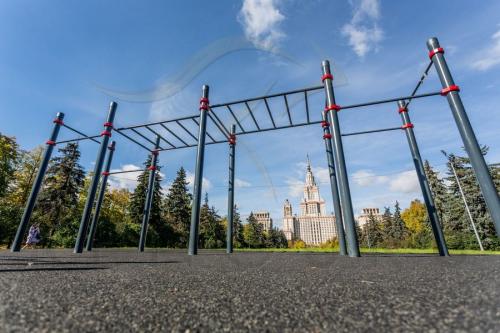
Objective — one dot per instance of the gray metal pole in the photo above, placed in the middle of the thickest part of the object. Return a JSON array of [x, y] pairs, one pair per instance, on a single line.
[[230, 191], [345, 193], [149, 195], [464, 127], [327, 136], [30, 205], [198, 176], [422, 179], [87, 210], [465, 203], [100, 196]]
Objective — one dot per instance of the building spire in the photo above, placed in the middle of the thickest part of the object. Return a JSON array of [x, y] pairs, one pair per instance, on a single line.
[[308, 163]]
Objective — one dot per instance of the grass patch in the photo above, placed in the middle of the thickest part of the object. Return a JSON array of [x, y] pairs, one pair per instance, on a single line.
[[374, 250]]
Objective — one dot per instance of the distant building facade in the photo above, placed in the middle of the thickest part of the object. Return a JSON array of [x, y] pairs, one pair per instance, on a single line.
[[313, 226], [365, 215], [265, 219]]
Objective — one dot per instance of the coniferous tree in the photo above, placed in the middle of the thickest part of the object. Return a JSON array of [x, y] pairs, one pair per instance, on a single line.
[[398, 229], [238, 237], [212, 233], [372, 232], [158, 231], [178, 207], [254, 232], [276, 238], [439, 193], [386, 226], [57, 205]]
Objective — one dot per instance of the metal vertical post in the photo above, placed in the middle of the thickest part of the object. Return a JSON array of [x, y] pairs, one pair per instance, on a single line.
[[436, 53], [30, 205], [198, 176], [149, 195], [345, 193], [100, 196], [230, 191], [87, 210], [333, 184], [422, 179]]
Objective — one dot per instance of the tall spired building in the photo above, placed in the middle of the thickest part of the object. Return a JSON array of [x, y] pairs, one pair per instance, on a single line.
[[314, 226]]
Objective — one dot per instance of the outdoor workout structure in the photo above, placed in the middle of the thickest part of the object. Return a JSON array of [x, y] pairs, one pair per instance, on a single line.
[[332, 136]]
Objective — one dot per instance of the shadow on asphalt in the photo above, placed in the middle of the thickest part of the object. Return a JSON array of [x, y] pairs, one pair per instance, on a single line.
[[87, 262], [53, 269]]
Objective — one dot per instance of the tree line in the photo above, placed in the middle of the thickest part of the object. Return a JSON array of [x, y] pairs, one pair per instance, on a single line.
[[61, 200], [63, 195]]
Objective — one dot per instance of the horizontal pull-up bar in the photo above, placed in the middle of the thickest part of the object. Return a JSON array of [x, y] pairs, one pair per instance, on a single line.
[[373, 131], [133, 140], [383, 101], [79, 139], [291, 92], [85, 136], [125, 171]]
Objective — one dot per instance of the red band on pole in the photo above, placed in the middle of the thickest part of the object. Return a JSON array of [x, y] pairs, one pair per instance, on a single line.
[[58, 121], [152, 168], [232, 139], [327, 136], [445, 91], [105, 173], [409, 125], [204, 100], [108, 124], [204, 107], [326, 76], [325, 124], [333, 107], [433, 52], [51, 143], [155, 152], [107, 133], [403, 110]]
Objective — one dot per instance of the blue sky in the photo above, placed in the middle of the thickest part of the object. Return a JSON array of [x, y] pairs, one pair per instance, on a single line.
[[69, 55]]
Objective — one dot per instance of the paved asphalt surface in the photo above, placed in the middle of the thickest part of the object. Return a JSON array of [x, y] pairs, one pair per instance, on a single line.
[[162, 291]]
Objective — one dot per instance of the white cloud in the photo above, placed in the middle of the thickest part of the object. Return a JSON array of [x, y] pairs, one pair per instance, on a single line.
[[205, 184], [363, 31], [366, 178], [260, 20], [406, 182], [489, 57], [241, 183], [295, 187]]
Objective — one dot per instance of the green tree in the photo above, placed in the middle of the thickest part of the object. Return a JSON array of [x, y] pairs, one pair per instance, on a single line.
[[386, 226], [56, 207], [276, 238], [254, 233], [398, 231], [25, 175], [212, 235], [439, 193], [238, 236], [8, 160], [372, 232], [463, 230], [178, 207], [158, 230]]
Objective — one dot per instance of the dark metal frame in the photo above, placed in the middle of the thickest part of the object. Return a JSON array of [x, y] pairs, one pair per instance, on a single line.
[[339, 182]]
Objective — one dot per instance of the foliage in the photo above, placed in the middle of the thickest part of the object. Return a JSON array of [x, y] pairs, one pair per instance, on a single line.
[[254, 233], [212, 233], [8, 159], [178, 208]]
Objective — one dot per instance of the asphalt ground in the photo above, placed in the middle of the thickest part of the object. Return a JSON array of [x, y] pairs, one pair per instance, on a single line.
[[163, 291]]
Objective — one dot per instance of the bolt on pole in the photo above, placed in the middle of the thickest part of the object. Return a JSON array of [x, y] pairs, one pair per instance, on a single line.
[[333, 184], [451, 160], [30, 205], [340, 166], [436, 53], [149, 195], [422, 179], [100, 197], [198, 176], [230, 191], [106, 134]]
